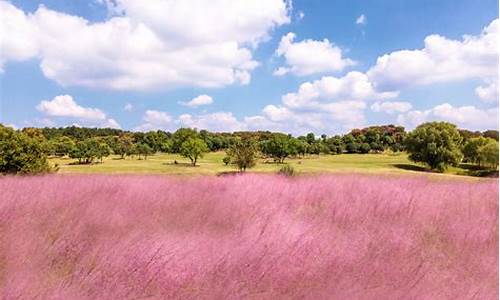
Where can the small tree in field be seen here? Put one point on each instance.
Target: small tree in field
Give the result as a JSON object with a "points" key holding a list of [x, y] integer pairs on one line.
{"points": [[193, 148], [436, 144], [243, 153], [144, 150]]}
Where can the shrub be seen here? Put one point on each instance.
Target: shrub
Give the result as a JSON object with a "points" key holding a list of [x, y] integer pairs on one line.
{"points": [[287, 170]]}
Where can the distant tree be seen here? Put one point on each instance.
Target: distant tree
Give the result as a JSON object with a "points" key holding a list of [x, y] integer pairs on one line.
{"points": [[243, 153], [279, 147], [103, 150], [144, 149], [123, 145], [62, 146], [364, 148], [491, 134], [226, 160], [20, 153], [86, 151], [310, 138], [471, 149], [435, 143], [193, 148], [180, 136], [489, 153]]}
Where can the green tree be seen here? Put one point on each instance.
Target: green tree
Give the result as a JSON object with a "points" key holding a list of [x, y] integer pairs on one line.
{"points": [[180, 136], [436, 144], [62, 146], [488, 153], [20, 153], [86, 151], [144, 150], [471, 149], [243, 153], [103, 150], [279, 147], [193, 148]]}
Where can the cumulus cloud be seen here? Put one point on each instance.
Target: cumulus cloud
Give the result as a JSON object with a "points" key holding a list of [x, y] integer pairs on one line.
{"points": [[441, 60], [198, 101], [218, 121], [328, 105], [361, 20], [64, 106], [128, 107], [488, 92], [310, 57], [464, 116], [391, 107], [163, 44]]}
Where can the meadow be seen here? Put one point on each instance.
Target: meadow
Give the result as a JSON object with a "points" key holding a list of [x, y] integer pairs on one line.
{"points": [[250, 236], [211, 164]]}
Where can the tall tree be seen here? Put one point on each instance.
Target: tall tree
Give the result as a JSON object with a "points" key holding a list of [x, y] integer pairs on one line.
{"points": [[193, 148]]}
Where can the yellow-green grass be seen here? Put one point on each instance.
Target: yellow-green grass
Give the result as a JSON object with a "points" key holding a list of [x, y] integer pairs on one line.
{"points": [[212, 164]]}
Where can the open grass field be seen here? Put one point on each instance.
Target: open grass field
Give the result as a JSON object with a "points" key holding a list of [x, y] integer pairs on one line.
{"points": [[251, 236], [212, 164]]}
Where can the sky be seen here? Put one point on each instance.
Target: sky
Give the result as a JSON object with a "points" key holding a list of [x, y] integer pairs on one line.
{"points": [[228, 65]]}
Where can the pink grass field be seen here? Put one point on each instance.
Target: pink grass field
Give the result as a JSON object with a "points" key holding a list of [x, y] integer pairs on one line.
{"points": [[248, 237]]}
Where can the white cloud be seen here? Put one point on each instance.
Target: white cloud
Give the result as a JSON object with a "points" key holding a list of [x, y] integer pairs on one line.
{"points": [[163, 44], [128, 107], [300, 15], [488, 93], [154, 119], [469, 117], [391, 107], [65, 106], [441, 60], [361, 20], [310, 57], [218, 121], [198, 101], [328, 105]]}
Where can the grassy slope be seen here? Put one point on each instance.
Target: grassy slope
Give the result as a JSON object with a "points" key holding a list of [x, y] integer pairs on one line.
{"points": [[212, 164]]}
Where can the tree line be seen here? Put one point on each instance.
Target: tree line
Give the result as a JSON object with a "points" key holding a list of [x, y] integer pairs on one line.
{"points": [[437, 144]]}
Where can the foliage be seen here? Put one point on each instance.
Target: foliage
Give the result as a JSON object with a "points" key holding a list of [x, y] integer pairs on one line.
{"points": [[89, 150], [144, 150], [243, 153], [181, 136], [287, 170], [279, 147], [435, 143], [488, 154], [193, 148], [21, 153]]}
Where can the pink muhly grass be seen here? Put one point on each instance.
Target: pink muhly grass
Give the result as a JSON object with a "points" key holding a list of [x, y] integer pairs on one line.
{"points": [[248, 237]]}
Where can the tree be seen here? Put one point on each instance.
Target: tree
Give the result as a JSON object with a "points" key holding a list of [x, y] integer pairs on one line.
{"points": [[193, 148], [436, 144], [103, 150], [144, 150], [86, 151], [20, 153], [489, 153], [243, 153], [471, 149], [62, 146], [123, 145], [279, 147], [180, 136]]}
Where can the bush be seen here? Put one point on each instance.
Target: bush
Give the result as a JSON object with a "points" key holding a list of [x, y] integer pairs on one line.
{"points": [[287, 170]]}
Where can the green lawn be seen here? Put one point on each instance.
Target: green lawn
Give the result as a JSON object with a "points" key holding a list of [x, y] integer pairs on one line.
{"points": [[212, 164]]}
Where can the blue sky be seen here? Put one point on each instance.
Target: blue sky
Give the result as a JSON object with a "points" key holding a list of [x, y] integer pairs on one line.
{"points": [[120, 64]]}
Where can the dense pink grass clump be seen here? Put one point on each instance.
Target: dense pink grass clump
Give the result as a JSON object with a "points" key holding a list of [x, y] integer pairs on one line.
{"points": [[247, 237]]}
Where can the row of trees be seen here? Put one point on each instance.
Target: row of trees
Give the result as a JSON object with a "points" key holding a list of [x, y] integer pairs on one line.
{"points": [[437, 144]]}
